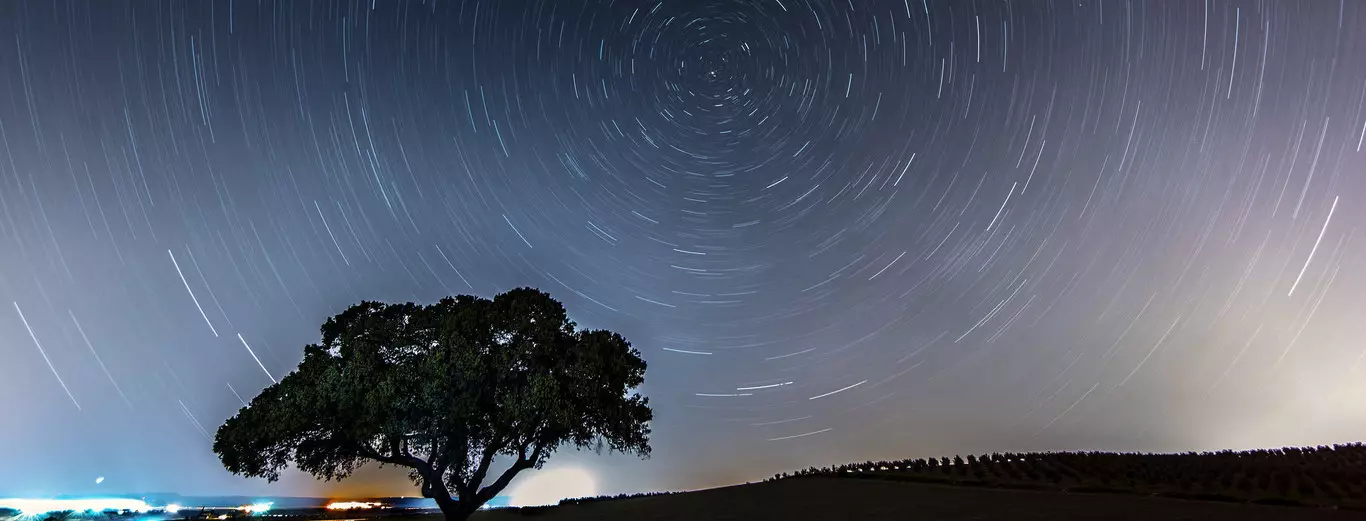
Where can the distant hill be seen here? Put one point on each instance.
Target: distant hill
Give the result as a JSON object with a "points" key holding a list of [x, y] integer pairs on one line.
{"points": [[839, 499], [1324, 476]]}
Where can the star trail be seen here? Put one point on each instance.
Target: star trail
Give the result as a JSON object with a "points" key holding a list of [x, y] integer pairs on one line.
{"points": [[837, 230]]}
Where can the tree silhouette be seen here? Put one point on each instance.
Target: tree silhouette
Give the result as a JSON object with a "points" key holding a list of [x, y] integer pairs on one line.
{"points": [[445, 390]]}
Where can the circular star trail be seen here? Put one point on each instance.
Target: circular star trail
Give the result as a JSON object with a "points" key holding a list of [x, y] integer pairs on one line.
{"points": [[838, 231]]}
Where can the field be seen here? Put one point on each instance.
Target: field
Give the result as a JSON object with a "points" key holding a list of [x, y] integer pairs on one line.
{"points": [[1327, 476], [1309, 483], [820, 499]]}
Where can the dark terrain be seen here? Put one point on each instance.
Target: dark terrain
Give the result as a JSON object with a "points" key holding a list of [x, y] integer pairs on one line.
{"points": [[1324, 476], [1293, 483], [819, 499]]}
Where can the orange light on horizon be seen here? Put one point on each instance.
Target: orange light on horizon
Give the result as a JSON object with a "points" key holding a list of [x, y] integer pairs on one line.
{"points": [[353, 505], [256, 508]]}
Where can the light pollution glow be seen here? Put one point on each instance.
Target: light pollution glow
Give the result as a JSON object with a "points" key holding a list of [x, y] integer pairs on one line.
{"points": [[353, 505], [38, 507]]}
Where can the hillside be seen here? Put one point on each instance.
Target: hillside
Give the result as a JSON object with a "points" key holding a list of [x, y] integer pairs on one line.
{"points": [[1325, 476], [822, 499]]}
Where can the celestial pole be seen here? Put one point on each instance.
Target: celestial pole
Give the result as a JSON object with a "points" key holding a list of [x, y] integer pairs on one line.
{"points": [[836, 230]]}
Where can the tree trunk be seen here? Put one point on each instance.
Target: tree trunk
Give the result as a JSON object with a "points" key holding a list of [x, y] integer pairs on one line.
{"points": [[453, 510]]}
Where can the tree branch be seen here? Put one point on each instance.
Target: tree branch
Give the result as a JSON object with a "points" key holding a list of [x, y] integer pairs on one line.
{"points": [[403, 461], [483, 469], [453, 455], [502, 482], [436, 459], [536, 454], [432, 485], [460, 448]]}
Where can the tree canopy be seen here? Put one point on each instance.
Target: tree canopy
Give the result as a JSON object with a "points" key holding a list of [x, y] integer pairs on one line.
{"points": [[446, 390]]}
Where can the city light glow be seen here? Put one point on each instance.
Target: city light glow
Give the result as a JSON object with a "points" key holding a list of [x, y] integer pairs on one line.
{"points": [[256, 508], [353, 505], [38, 507]]}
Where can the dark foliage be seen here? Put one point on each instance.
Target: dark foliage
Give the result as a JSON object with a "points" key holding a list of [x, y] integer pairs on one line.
{"points": [[1332, 476], [444, 390]]}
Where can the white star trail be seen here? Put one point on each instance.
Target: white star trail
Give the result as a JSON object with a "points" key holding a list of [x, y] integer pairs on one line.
{"points": [[45, 358], [840, 390], [792, 210], [103, 368], [191, 292], [258, 360]]}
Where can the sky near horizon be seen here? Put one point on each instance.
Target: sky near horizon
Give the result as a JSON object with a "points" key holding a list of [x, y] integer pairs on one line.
{"points": [[837, 231]]}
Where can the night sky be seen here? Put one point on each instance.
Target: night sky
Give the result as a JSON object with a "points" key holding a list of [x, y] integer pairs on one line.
{"points": [[837, 231]]}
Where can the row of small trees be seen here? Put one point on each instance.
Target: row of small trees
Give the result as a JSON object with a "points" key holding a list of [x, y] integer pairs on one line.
{"points": [[1322, 475], [595, 499]]}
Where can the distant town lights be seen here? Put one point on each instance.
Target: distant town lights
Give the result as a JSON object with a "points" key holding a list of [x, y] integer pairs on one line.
{"points": [[38, 507], [353, 505], [257, 508]]}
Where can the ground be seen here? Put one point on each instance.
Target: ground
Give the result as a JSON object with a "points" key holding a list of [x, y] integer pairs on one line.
{"points": [[820, 499]]}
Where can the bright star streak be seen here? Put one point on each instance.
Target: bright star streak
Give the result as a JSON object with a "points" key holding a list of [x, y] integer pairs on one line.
{"points": [[45, 358], [685, 351], [192, 297], [258, 360], [837, 390], [1315, 249], [769, 386], [239, 397], [794, 436]]}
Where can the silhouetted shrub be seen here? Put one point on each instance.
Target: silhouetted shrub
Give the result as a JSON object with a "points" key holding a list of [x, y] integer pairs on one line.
{"points": [[595, 499]]}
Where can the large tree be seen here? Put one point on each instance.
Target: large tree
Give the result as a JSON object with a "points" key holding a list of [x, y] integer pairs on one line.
{"points": [[448, 391]]}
